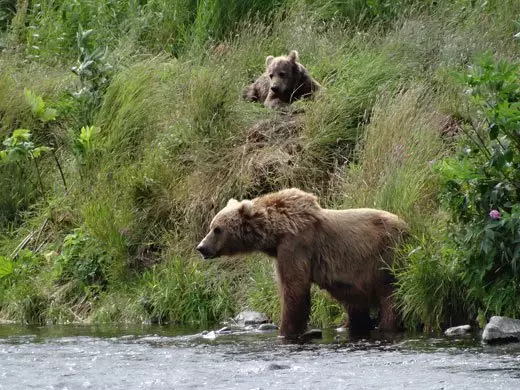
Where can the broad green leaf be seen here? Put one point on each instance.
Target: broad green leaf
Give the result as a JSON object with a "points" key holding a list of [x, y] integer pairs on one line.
{"points": [[20, 135], [48, 115], [36, 152], [6, 267], [35, 102]]}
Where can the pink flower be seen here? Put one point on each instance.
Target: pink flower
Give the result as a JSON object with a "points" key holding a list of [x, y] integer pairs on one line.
{"points": [[494, 214]]}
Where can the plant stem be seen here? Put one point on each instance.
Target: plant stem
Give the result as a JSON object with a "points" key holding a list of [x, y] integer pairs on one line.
{"points": [[39, 177], [61, 171]]}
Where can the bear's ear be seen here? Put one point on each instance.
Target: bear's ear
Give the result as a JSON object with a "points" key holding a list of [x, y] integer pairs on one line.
{"points": [[231, 202], [247, 208], [268, 60], [293, 56]]}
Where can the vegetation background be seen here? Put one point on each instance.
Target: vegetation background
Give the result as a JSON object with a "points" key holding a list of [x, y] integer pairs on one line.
{"points": [[123, 133]]}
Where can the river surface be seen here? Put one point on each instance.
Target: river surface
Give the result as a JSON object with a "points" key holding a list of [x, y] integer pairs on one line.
{"points": [[89, 357]]}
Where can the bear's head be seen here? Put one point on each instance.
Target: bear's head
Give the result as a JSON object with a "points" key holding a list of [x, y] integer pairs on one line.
{"points": [[283, 73], [237, 228]]}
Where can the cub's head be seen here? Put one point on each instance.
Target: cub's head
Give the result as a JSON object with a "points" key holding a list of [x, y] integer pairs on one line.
{"points": [[283, 72], [235, 229]]}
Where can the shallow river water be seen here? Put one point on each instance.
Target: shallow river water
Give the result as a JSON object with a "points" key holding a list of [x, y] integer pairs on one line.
{"points": [[85, 357]]}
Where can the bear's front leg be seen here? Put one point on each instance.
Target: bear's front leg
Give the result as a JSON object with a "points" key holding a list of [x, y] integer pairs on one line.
{"points": [[274, 102], [295, 292], [296, 304]]}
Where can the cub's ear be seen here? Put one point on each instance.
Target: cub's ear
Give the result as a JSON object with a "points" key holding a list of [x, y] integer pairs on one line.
{"points": [[293, 56], [268, 60], [231, 202], [247, 208]]}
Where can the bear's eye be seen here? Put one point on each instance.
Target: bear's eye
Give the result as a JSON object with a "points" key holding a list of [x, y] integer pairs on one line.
{"points": [[282, 75], [217, 231], [271, 75]]}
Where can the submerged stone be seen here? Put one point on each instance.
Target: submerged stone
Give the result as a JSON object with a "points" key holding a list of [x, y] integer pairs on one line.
{"points": [[457, 330], [276, 366], [501, 329]]}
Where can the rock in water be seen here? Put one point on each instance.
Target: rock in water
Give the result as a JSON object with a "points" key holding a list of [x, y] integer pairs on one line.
{"points": [[251, 318], [457, 330], [209, 335], [267, 327], [501, 329], [311, 335]]}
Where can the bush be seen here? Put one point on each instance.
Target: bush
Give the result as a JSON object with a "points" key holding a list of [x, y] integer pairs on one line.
{"points": [[482, 187]]}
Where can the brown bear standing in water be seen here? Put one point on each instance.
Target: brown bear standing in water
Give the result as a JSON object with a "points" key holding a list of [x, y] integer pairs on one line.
{"points": [[346, 252], [284, 81]]}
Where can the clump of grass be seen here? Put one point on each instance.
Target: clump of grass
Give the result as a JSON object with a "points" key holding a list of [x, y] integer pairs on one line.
{"points": [[184, 292], [429, 288], [398, 147]]}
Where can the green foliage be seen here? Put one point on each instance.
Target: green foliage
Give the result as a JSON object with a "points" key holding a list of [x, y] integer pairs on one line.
{"points": [[94, 74], [82, 261], [184, 292], [23, 299], [482, 186], [18, 148], [38, 107], [7, 10], [6, 267], [429, 284], [86, 149]]}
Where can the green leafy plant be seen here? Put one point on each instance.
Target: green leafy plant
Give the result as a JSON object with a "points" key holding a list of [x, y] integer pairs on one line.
{"points": [[85, 147], [482, 187], [82, 261], [6, 267], [19, 147], [38, 107], [94, 73]]}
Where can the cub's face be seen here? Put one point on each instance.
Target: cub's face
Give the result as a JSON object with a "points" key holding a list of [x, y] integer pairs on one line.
{"points": [[226, 231], [282, 73]]}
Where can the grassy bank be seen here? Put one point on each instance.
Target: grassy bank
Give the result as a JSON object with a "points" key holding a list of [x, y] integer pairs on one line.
{"points": [[128, 156]]}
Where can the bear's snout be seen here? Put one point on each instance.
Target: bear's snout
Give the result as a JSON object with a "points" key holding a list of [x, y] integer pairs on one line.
{"points": [[275, 88], [204, 251]]}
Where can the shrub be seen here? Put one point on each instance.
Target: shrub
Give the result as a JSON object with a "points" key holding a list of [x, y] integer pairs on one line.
{"points": [[481, 187]]}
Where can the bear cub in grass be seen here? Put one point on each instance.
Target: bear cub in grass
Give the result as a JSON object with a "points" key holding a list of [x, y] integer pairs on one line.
{"points": [[346, 252], [284, 81]]}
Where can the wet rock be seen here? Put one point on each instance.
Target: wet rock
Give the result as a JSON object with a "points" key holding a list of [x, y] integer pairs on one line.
{"points": [[209, 335], [225, 329], [501, 329], [457, 330], [341, 329], [251, 318], [267, 327], [311, 335]]}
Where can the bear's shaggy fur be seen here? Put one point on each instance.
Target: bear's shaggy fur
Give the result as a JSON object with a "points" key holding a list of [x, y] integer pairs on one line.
{"points": [[346, 252], [284, 81]]}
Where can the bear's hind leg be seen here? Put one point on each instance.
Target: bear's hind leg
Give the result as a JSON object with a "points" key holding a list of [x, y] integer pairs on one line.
{"points": [[389, 318], [359, 321]]}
